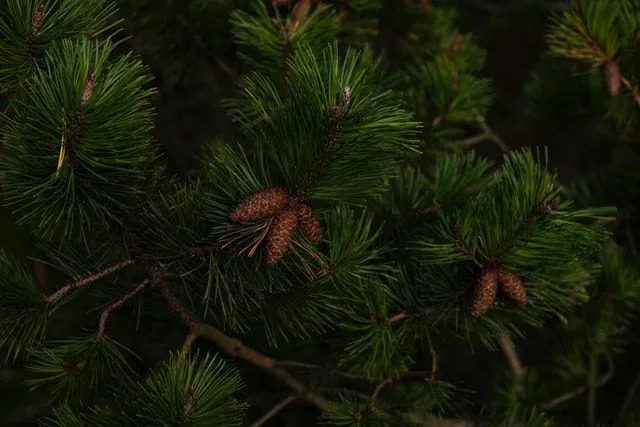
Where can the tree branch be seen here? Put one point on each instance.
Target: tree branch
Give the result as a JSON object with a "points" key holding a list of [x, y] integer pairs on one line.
{"points": [[274, 411], [87, 280], [237, 349], [107, 311]]}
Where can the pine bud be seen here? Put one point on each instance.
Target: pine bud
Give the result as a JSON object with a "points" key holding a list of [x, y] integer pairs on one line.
{"points": [[485, 292], [512, 286], [310, 225], [612, 78], [300, 13], [88, 89], [260, 205], [37, 20], [279, 237]]}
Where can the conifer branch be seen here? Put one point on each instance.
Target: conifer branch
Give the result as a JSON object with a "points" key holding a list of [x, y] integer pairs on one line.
{"points": [[274, 411], [236, 348], [87, 280], [105, 314]]}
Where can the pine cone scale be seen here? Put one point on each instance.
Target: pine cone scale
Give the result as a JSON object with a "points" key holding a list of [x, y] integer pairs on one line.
{"points": [[280, 235], [485, 292], [260, 205]]}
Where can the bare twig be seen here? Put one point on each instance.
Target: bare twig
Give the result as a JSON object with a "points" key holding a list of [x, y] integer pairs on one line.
{"points": [[434, 365], [274, 411], [237, 349], [492, 135], [632, 88], [509, 350], [380, 387], [107, 311], [87, 280], [186, 346], [293, 364], [577, 392]]}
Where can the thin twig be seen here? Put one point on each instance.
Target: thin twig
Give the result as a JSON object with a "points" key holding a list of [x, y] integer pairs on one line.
{"points": [[380, 387], [293, 364], [492, 135], [632, 88], [434, 365], [186, 346], [107, 311], [577, 392], [509, 350], [237, 349], [274, 411], [87, 280]]}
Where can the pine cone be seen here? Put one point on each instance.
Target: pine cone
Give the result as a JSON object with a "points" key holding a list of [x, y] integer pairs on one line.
{"points": [[279, 237], [612, 78], [512, 286], [310, 225], [260, 205], [485, 292]]}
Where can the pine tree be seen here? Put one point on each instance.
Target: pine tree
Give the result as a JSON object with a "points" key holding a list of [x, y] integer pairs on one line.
{"points": [[338, 257]]}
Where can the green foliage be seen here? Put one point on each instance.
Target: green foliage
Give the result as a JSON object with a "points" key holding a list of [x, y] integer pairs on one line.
{"points": [[190, 391], [592, 31], [22, 47], [353, 412], [335, 157], [24, 314], [379, 348], [75, 368], [69, 165], [267, 42]]}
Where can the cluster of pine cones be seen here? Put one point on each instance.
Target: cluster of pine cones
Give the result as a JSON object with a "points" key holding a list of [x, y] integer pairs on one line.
{"points": [[288, 214], [487, 288]]}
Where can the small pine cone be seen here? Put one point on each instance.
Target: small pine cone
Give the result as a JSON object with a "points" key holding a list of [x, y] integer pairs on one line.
{"points": [[310, 225], [485, 292], [612, 78], [260, 205], [512, 286], [279, 237]]}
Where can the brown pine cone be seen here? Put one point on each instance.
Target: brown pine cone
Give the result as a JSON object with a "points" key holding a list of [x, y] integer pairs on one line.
{"points": [[279, 237], [512, 286], [485, 292], [260, 205], [310, 225], [612, 78]]}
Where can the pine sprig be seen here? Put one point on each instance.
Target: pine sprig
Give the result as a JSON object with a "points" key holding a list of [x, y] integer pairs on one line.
{"points": [[82, 148], [23, 310], [29, 28], [192, 390]]}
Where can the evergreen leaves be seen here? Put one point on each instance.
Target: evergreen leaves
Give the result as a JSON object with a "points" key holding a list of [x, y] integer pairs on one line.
{"points": [[28, 28], [190, 391], [23, 310], [79, 153]]}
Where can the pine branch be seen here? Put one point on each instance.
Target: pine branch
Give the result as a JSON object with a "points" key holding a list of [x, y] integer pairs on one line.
{"points": [[56, 296], [237, 349], [274, 411], [105, 314]]}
